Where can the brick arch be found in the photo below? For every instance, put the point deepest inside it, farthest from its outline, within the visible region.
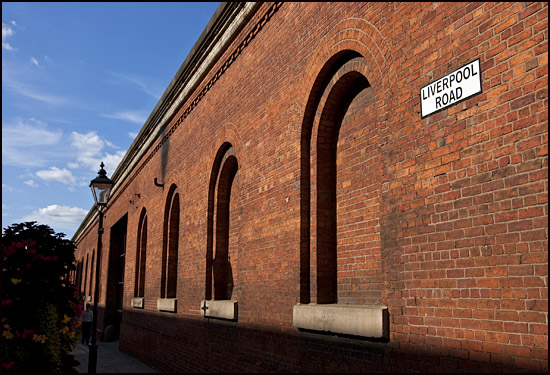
(170, 244)
(224, 170)
(93, 264)
(228, 133)
(354, 49)
(357, 35)
(343, 88)
(141, 255)
(78, 275)
(84, 286)
(344, 74)
(347, 81)
(222, 276)
(349, 38)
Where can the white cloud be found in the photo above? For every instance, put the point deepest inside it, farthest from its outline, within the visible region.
(88, 147)
(34, 61)
(27, 143)
(66, 214)
(136, 117)
(7, 32)
(112, 161)
(31, 183)
(90, 152)
(89, 142)
(60, 218)
(57, 175)
(110, 144)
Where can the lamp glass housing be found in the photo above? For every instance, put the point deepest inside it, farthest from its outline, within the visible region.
(101, 187)
(101, 193)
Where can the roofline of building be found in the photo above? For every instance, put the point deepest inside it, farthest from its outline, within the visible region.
(226, 23)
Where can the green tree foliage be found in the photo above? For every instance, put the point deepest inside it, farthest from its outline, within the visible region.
(39, 304)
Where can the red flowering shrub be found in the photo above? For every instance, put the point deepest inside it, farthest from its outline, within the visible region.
(39, 305)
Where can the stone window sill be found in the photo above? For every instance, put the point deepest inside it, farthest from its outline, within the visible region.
(138, 302)
(224, 309)
(356, 320)
(167, 304)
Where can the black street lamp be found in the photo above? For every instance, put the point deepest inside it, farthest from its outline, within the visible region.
(101, 189)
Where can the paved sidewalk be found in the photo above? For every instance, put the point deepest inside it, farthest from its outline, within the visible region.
(109, 360)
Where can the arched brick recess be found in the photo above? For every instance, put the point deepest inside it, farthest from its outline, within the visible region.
(352, 45)
(141, 255)
(223, 279)
(219, 275)
(92, 274)
(170, 244)
(86, 273)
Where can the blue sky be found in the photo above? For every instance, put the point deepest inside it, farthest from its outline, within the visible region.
(78, 82)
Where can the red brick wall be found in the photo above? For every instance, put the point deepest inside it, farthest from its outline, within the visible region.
(442, 219)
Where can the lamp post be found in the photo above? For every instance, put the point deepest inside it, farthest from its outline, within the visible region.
(101, 189)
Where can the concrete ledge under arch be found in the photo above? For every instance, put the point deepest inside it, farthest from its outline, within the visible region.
(356, 320)
(222, 309)
(167, 304)
(138, 302)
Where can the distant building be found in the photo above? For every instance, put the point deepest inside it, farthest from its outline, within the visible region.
(338, 187)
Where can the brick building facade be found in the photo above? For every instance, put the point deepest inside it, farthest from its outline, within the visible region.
(287, 207)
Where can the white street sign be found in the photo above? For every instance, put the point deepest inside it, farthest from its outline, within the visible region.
(454, 87)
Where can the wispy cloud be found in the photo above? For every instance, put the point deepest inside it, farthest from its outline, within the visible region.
(7, 32)
(31, 183)
(60, 218)
(34, 61)
(27, 143)
(7, 188)
(28, 90)
(136, 117)
(155, 92)
(34, 84)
